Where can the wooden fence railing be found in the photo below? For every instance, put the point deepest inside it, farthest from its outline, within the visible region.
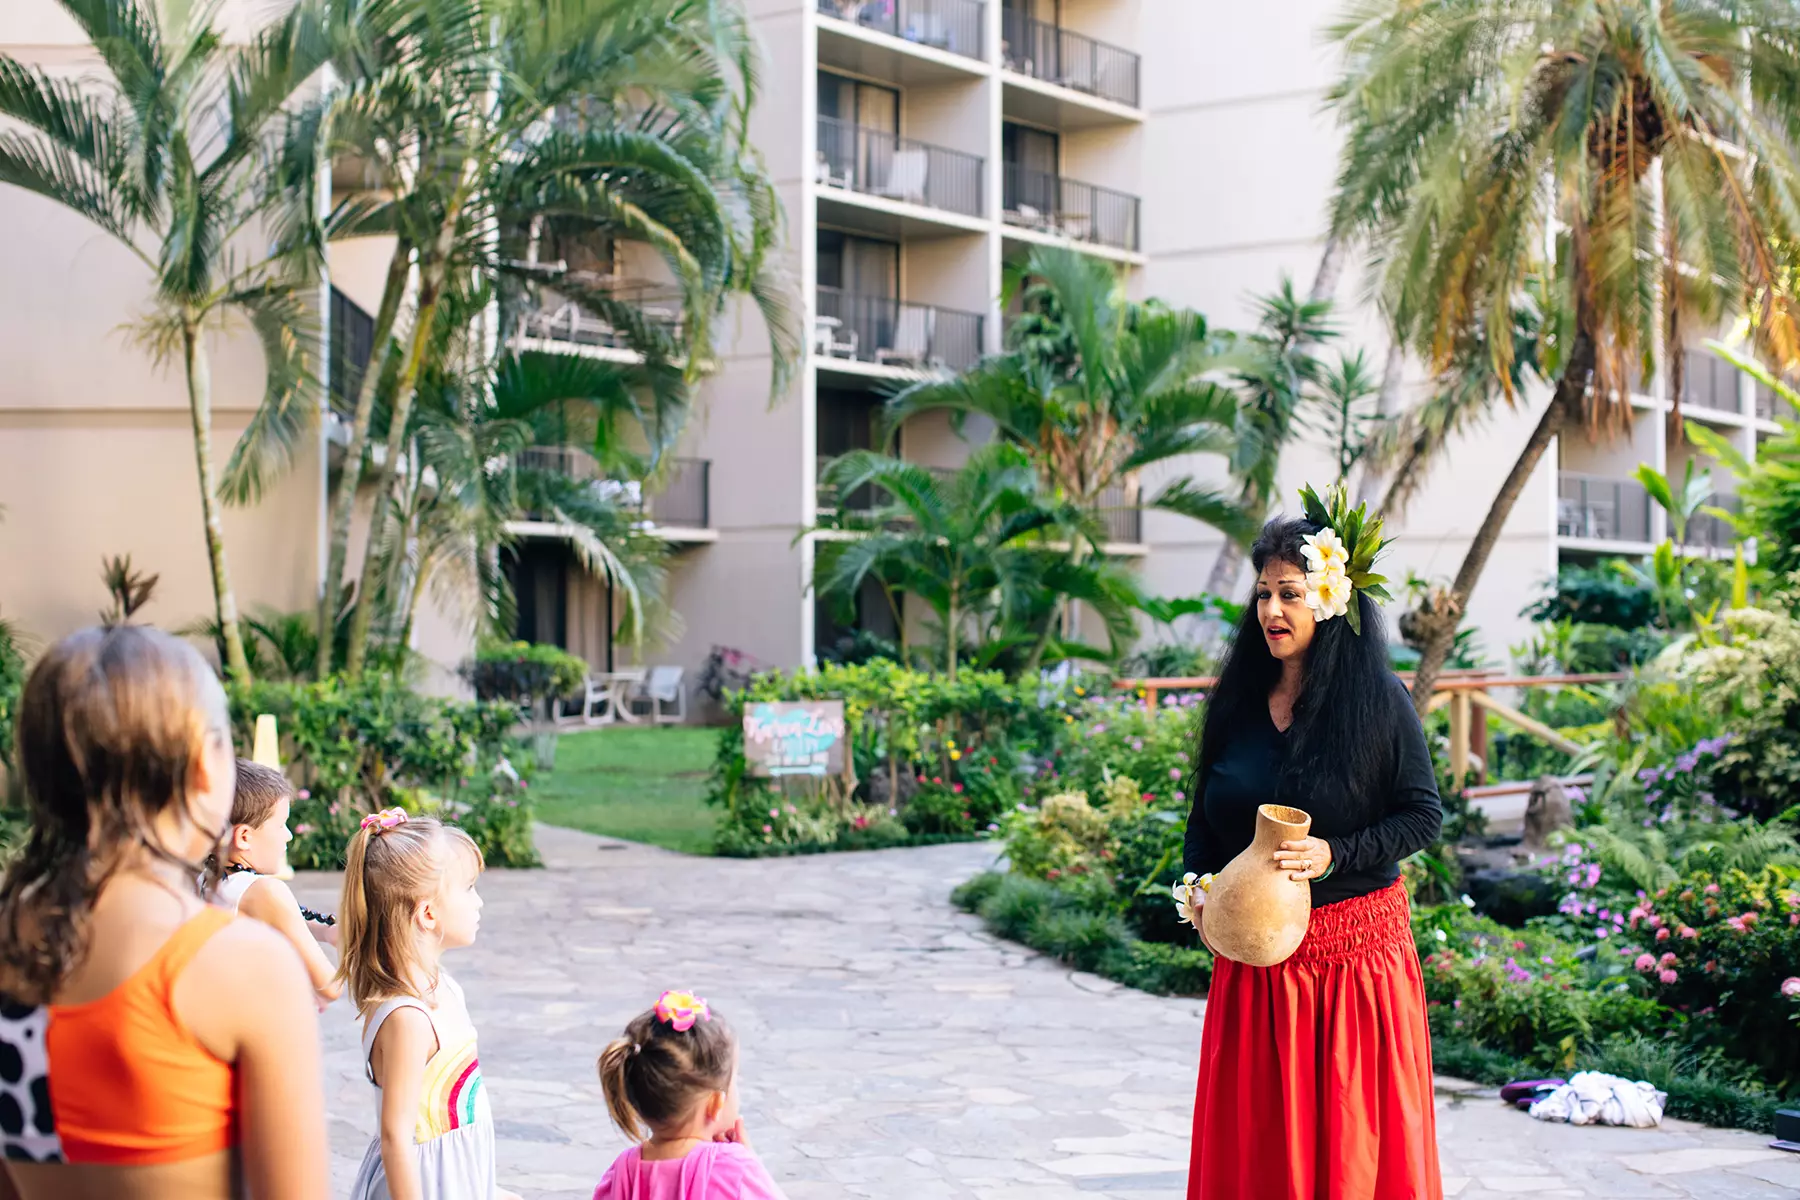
(1463, 691)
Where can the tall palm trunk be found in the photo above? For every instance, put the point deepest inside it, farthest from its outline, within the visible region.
(431, 290)
(950, 639)
(199, 385)
(343, 500)
(1222, 581)
(1442, 631)
(1387, 404)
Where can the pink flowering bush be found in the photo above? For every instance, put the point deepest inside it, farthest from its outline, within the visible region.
(1731, 964)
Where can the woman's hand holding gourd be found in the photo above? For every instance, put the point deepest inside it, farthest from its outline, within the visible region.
(1304, 858)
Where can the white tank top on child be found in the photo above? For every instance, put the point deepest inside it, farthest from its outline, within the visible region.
(231, 889)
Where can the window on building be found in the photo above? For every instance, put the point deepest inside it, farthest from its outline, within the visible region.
(864, 105)
(858, 266)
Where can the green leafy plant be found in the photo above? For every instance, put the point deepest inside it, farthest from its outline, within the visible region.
(524, 672)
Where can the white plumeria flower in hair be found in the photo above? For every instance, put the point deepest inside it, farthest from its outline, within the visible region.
(1328, 593)
(1325, 550)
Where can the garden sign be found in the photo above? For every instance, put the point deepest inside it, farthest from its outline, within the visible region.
(794, 738)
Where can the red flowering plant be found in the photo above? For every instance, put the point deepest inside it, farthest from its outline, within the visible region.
(1724, 949)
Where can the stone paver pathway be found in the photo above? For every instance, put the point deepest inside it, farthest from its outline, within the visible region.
(893, 1049)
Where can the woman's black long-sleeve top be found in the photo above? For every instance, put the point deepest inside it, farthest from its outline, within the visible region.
(1367, 856)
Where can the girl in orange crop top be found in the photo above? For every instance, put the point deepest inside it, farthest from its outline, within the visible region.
(148, 1044)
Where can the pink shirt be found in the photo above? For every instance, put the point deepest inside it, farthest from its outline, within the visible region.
(712, 1171)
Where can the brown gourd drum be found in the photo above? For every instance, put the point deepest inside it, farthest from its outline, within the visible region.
(1255, 913)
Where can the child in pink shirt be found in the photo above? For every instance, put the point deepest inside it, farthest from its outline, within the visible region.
(671, 1086)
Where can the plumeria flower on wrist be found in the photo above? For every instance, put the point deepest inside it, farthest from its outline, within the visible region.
(1189, 895)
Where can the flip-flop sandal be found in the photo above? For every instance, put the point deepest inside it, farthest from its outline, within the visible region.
(1523, 1091)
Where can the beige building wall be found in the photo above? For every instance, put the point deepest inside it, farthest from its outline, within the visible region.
(96, 442)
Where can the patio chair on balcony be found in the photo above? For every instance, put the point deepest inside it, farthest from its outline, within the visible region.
(830, 338)
(827, 177)
(905, 177)
(912, 339)
(1028, 217)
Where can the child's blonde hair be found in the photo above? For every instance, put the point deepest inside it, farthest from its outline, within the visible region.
(111, 727)
(655, 1074)
(387, 871)
(259, 790)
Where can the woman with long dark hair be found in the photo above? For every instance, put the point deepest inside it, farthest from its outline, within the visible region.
(1315, 1074)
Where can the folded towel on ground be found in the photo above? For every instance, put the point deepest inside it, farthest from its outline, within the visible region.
(1594, 1098)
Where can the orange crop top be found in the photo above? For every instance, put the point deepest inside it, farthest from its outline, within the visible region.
(117, 1080)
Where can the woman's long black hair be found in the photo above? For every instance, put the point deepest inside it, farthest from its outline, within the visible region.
(1339, 731)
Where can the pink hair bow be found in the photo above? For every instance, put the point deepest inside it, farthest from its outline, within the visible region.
(681, 1010)
(384, 820)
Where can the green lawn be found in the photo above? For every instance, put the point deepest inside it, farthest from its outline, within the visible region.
(642, 784)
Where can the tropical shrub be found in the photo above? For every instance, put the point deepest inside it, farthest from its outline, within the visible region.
(1598, 595)
(524, 672)
(355, 746)
(1058, 922)
(932, 757)
(1725, 950)
(1746, 674)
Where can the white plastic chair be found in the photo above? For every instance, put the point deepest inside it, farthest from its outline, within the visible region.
(666, 698)
(906, 177)
(912, 338)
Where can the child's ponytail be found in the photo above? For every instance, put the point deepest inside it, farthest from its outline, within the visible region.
(664, 1065)
(615, 1060)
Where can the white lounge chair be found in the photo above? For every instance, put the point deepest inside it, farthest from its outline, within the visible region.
(905, 177)
(596, 706)
(662, 692)
(912, 338)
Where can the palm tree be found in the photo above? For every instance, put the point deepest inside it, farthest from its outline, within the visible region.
(1646, 143)
(626, 118)
(1099, 390)
(1342, 410)
(169, 152)
(973, 545)
(1279, 363)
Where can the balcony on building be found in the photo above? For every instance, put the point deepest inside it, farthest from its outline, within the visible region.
(675, 503)
(877, 181)
(944, 29)
(1710, 532)
(352, 346)
(1053, 207)
(1709, 385)
(1064, 79)
(882, 331)
(1602, 511)
(647, 312)
(953, 26)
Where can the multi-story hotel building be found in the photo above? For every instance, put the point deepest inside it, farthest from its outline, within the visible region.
(918, 146)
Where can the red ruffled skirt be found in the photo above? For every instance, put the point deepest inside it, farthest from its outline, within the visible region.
(1315, 1075)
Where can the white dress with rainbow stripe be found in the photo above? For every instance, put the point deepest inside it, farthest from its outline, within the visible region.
(453, 1138)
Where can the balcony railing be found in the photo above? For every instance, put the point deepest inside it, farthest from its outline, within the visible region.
(1708, 381)
(352, 346)
(952, 25)
(1069, 208)
(1707, 532)
(1601, 509)
(1120, 514)
(659, 306)
(895, 333)
(1069, 59)
(682, 495)
(877, 163)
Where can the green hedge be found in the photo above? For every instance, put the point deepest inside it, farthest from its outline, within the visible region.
(355, 746)
(934, 760)
(1051, 920)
